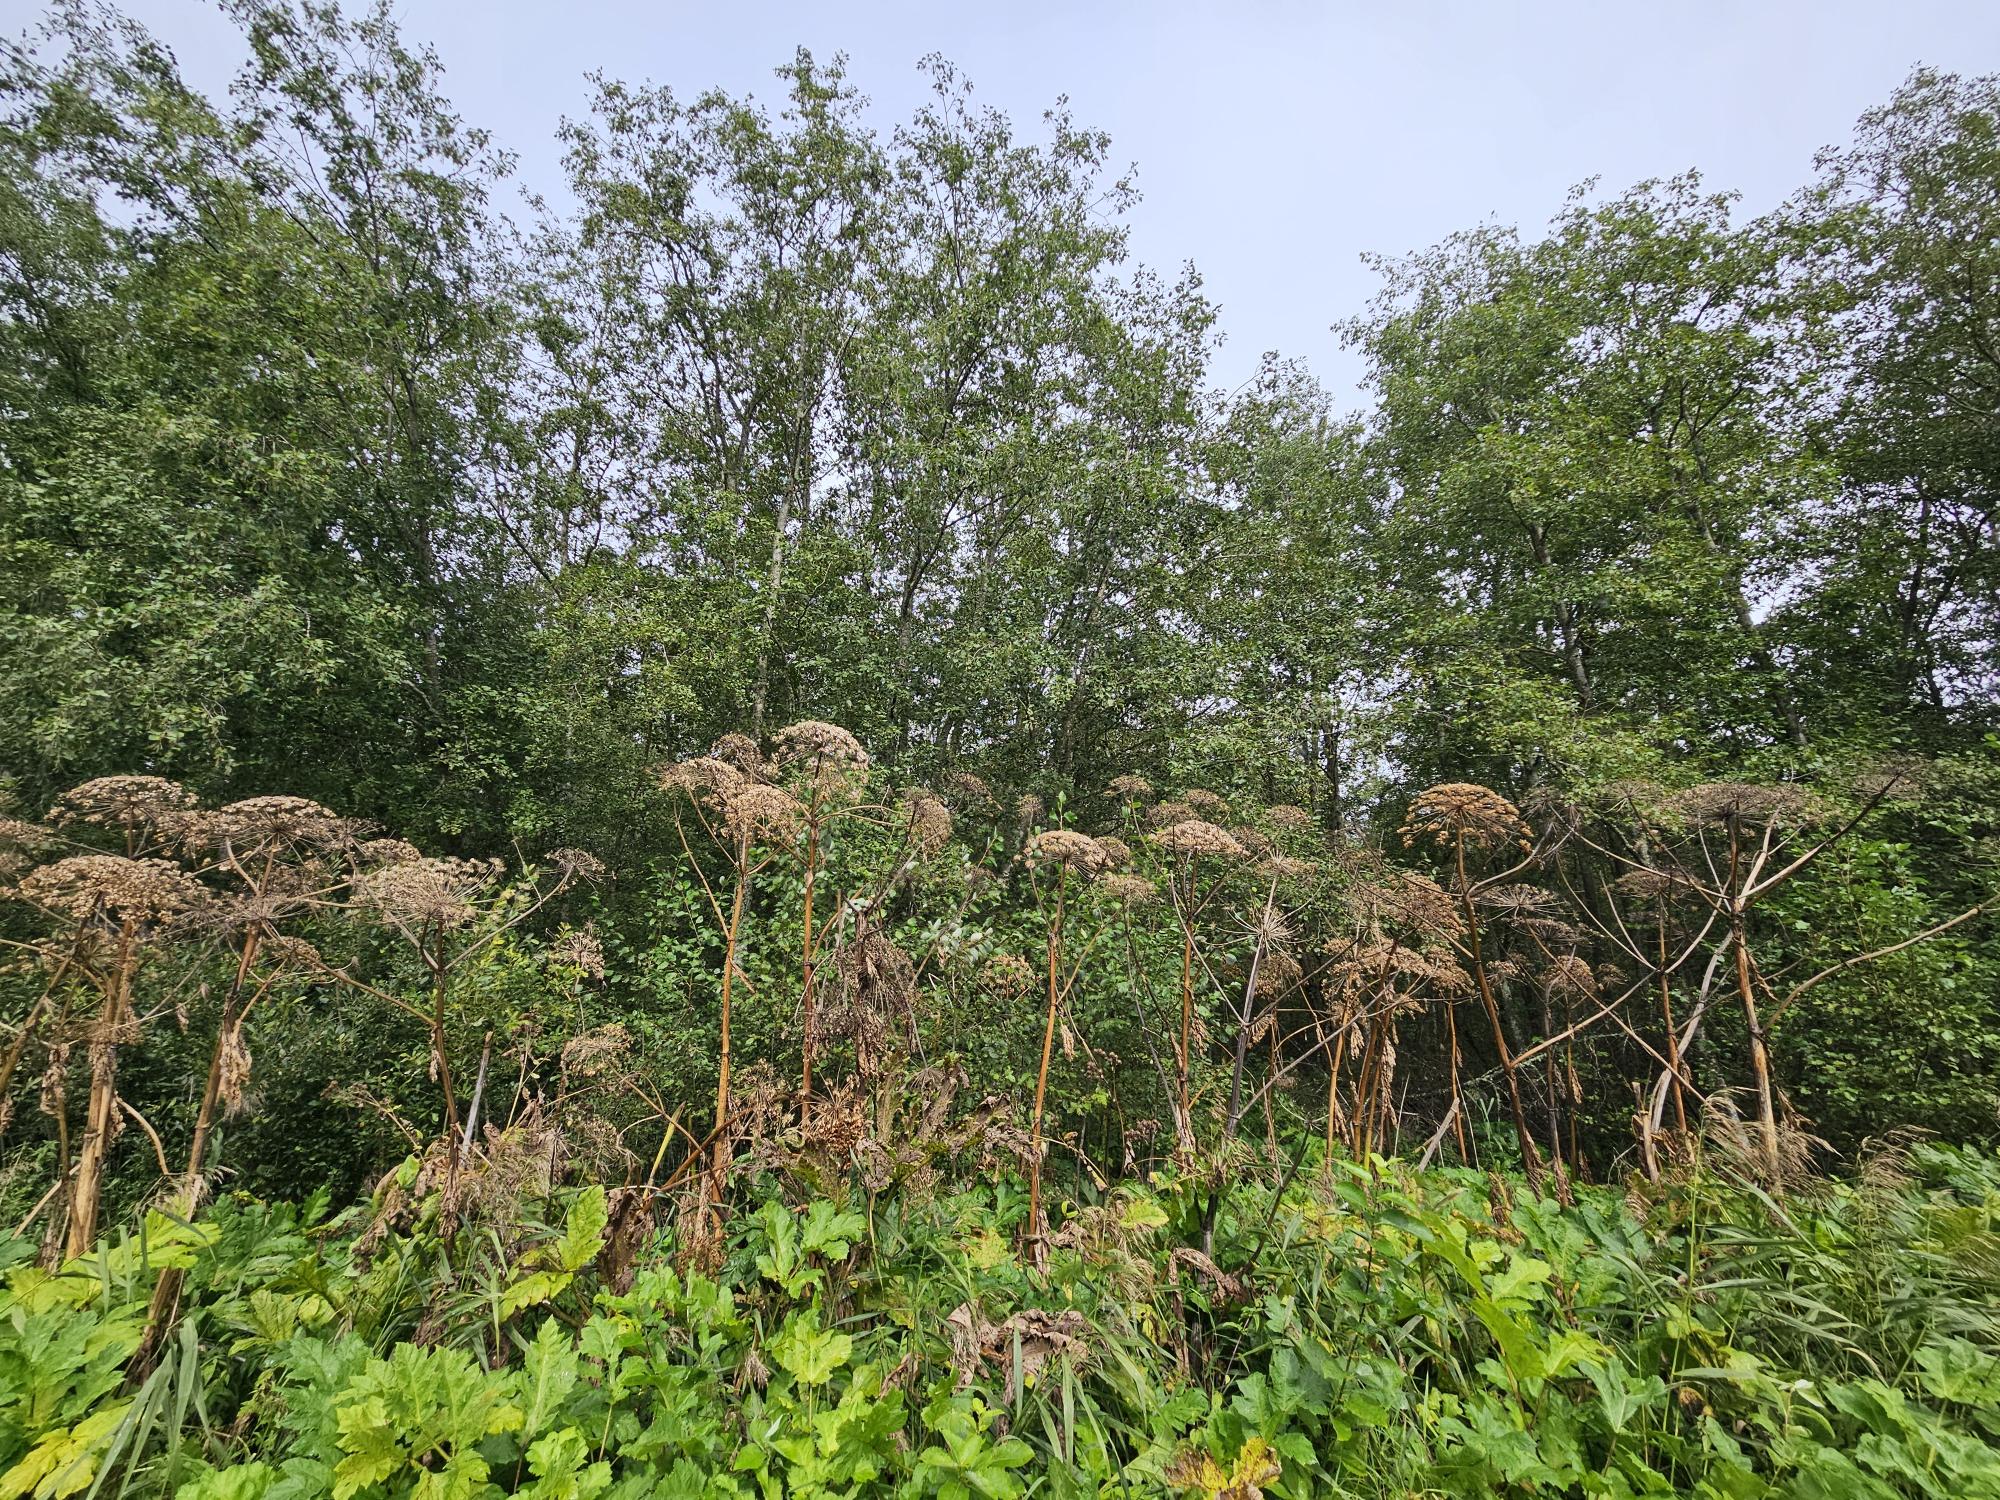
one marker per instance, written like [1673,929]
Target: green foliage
[1664,539]
[1378,1331]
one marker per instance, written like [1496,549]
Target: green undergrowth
[1356,1330]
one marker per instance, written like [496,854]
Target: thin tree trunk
[774,579]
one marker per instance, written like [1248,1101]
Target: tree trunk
[774,579]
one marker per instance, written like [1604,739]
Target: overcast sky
[1274,143]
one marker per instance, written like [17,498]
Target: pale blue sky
[1275,143]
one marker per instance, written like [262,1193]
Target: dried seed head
[822,748]
[1628,795]
[927,820]
[388,852]
[873,1002]
[1745,802]
[112,887]
[131,803]
[741,752]
[281,951]
[16,835]
[1192,838]
[1028,810]
[1375,965]
[1169,813]
[1648,883]
[1008,975]
[1063,849]
[577,865]
[1286,818]
[706,778]
[1277,973]
[441,891]
[752,811]
[1270,927]
[1570,978]
[1400,898]
[1252,841]
[969,792]
[759,813]
[1897,778]
[1462,809]
[1206,802]
[1128,890]
[599,1052]
[1117,853]
[273,825]
[1517,900]
[578,948]
[1131,788]
[1284,867]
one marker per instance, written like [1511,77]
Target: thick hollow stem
[100,1114]
[719,1159]
[1760,1055]
[1530,1157]
[808,959]
[1034,1234]
[1673,1032]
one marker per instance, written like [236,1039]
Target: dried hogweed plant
[831,768]
[1466,819]
[1717,851]
[750,820]
[1053,857]
[1393,959]
[1193,847]
[106,916]
[452,915]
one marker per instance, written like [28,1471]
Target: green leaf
[548,1374]
[809,1353]
[583,1230]
[560,1463]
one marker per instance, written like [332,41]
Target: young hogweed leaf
[555,1267]
[419,1416]
[829,1232]
[1953,1369]
[809,1353]
[1255,1467]
[562,1470]
[548,1374]
[964,1462]
[583,1230]
[242,1481]
[65,1460]
[781,1259]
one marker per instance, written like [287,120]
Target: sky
[1274,143]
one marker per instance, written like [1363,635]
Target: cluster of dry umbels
[1188,828]
[126,867]
[209,885]
[815,769]
[186,868]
